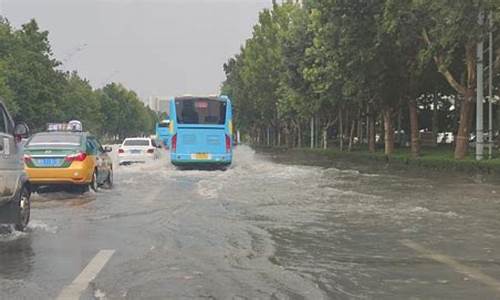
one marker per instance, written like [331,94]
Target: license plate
[200,156]
[48,162]
[135,151]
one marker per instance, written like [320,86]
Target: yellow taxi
[68,158]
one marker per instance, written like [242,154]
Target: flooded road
[262,230]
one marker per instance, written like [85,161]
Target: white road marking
[457,266]
[75,289]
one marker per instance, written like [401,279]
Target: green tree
[451,31]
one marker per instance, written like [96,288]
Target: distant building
[159,104]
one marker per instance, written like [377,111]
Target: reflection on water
[61,196]
[261,230]
[352,218]
[17,255]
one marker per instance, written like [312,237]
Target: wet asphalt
[270,227]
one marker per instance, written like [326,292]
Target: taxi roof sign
[73,125]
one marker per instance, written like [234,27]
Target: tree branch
[496,64]
[439,60]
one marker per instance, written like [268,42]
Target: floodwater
[273,226]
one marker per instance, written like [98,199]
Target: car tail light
[121,150]
[27,158]
[174,143]
[150,151]
[228,143]
[76,157]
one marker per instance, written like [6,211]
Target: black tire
[94,185]
[22,209]
[109,181]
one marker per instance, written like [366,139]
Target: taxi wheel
[93,184]
[23,209]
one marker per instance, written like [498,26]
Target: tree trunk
[360,127]
[462,141]
[286,133]
[312,132]
[414,128]
[400,117]
[388,132]
[325,137]
[299,136]
[466,90]
[435,116]
[268,136]
[351,135]
[279,136]
[317,132]
[371,133]
[341,131]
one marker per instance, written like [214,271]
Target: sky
[155,47]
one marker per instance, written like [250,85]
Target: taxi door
[103,162]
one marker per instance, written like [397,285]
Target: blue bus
[163,132]
[201,131]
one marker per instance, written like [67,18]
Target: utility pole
[490,87]
[479,96]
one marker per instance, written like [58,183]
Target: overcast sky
[156,47]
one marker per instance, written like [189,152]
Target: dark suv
[14,186]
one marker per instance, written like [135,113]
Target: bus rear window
[200,111]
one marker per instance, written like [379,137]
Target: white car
[134,150]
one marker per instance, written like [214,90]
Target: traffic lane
[199,248]
[62,237]
[56,246]
[259,230]
[358,245]
[339,229]
[151,230]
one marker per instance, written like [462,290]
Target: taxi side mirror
[108,149]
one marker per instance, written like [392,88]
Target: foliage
[359,58]
[37,91]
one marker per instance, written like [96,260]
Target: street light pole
[479,96]
[490,87]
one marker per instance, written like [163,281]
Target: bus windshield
[201,111]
